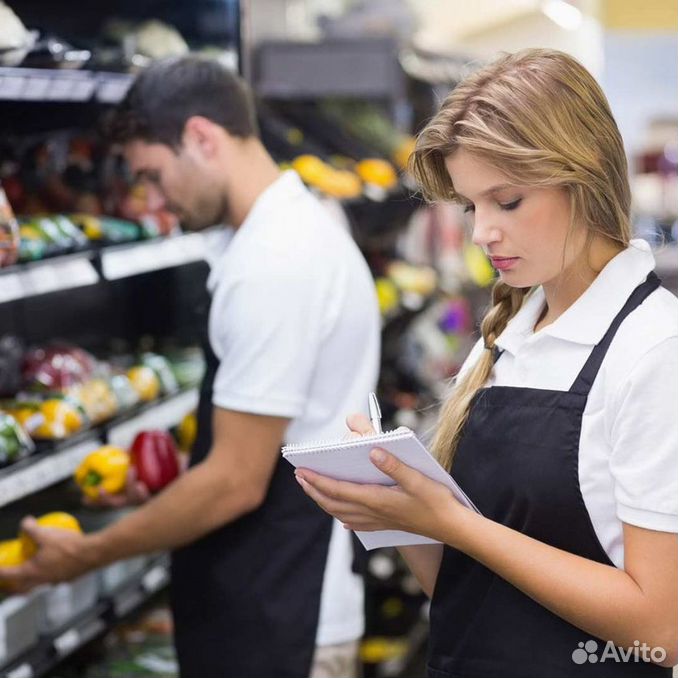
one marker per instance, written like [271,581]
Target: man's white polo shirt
[296,327]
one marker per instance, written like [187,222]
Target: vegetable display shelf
[40,85]
[49,275]
[104,615]
[122,261]
[108,263]
[56,462]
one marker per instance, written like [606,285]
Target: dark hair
[169,92]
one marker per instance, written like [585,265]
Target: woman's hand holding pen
[415,504]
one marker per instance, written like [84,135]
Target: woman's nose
[485,230]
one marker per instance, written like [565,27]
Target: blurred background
[99,285]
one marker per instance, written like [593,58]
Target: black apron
[518,461]
[246,597]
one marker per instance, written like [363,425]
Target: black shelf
[56,461]
[55,647]
[89,266]
[57,85]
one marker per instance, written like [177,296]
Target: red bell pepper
[155,459]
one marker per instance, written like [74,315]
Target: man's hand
[134,494]
[60,557]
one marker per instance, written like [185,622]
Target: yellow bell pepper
[105,468]
[57,519]
[11,553]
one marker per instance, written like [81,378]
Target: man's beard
[205,217]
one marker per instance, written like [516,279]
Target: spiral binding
[317,446]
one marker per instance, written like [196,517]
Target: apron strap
[587,376]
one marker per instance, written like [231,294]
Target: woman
[562,426]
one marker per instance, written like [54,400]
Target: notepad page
[349,460]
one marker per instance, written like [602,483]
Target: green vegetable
[14,443]
[160,365]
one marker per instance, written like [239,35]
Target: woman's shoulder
[654,321]
[647,338]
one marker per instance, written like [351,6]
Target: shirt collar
[587,320]
[287,185]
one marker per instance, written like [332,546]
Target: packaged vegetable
[14,442]
[62,418]
[9,232]
[145,382]
[160,365]
[124,392]
[57,367]
[97,399]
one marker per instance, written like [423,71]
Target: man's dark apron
[246,597]
[518,461]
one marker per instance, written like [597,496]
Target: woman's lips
[504,263]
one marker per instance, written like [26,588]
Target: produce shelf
[48,275]
[43,85]
[113,261]
[41,470]
[123,261]
[121,431]
[59,461]
[55,647]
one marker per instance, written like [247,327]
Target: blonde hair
[540,118]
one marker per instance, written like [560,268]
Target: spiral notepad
[349,460]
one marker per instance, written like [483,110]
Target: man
[261,579]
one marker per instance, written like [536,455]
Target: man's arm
[233,480]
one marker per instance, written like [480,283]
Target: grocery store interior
[101,292]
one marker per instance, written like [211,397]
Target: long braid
[506,302]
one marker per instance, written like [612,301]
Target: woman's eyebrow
[487,191]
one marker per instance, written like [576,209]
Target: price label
[21,671]
[42,279]
[12,86]
[76,273]
[375,193]
[61,89]
[67,642]
[154,578]
[193,246]
[83,89]
[110,91]
[170,413]
[44,473]
[11,287]
[36,88]
[129,261]
[152,256]
[164,415]
[172,253]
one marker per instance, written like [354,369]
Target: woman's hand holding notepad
[349,460]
